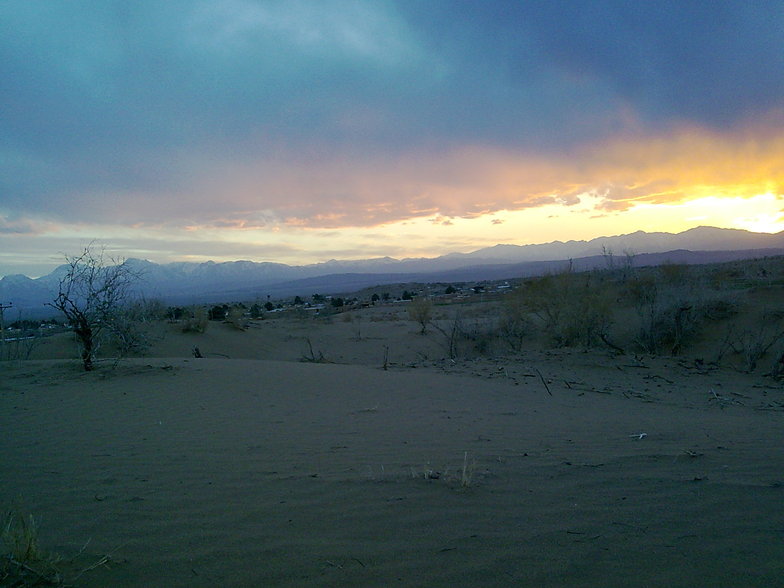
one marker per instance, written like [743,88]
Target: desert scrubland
[613,428]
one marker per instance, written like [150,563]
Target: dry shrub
[197,321]
[237,319]
[724,278]
[674,273]
[719,309]
[777,371]
[672,304]
[479,335]
[133,326]
[754,343]
[667,313]
[420,310]
[463,337]
[21,346]
[514,324]
[451,332]
[313,356]
[575,309]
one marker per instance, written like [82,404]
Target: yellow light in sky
[760,213]
[585,221]
[763,223]
[437,235]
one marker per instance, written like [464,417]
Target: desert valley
[616,427]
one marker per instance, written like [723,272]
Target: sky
[301,131]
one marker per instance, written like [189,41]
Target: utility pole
[3,307]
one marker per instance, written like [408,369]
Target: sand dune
[256,472]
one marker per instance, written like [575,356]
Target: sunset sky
[300,131]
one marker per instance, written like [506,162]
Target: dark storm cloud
[110,96]
[712,62]
[125,111]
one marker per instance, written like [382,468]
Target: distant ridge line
[190,282]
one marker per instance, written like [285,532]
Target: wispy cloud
[21,226]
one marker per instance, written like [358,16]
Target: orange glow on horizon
[429,204]
[678,166]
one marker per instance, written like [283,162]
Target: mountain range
[187,282]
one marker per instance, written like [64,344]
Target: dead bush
[754,343]
[719,309]
[575,309]
[420,310]
[196,321]
[514,324]
[133,328]
[478,336]
[671,311]
[237,319]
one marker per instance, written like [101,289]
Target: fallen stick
[546,387]
[595,390]
[655,376]
[612,345]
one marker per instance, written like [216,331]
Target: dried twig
[541,377]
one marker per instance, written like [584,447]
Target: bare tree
[91,294]
[421,311]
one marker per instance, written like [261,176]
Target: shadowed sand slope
[218,472]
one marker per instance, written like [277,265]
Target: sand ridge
[232,472]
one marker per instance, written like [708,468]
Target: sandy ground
[252,468]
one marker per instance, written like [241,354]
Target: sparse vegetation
[657,310]
[664,310]
[672,305]
[462,476]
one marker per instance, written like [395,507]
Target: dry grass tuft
[24,562]
[467,473]
[464,476]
